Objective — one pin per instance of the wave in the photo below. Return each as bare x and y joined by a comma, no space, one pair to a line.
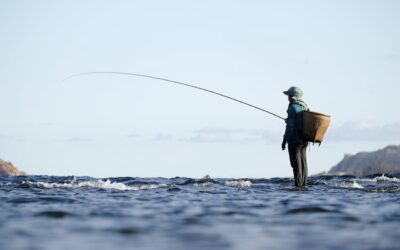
99,184
348,185
208,181
238,183
203,184
378,183
311,209
380,179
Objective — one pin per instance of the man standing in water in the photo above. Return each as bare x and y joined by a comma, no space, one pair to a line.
297,147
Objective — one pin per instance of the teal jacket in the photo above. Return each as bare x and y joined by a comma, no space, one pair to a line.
294,121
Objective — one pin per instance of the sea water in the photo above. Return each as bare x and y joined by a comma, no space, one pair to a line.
50,212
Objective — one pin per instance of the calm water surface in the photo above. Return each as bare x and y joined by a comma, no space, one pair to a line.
49,212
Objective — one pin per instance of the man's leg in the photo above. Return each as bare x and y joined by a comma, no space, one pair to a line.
295,155
304,166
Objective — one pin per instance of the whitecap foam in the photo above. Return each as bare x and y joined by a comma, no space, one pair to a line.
382,178
107,184
238,183
356,185
353,185
203,184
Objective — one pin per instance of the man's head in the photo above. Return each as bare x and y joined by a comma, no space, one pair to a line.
294,93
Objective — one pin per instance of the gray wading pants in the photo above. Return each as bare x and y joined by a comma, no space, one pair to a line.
298,160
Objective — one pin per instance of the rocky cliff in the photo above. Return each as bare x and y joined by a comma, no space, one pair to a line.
7,168
385,160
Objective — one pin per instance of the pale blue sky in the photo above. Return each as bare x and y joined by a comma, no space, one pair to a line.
345,55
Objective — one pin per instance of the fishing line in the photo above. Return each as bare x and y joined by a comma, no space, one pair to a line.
172,81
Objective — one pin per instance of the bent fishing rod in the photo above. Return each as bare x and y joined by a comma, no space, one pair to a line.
171,81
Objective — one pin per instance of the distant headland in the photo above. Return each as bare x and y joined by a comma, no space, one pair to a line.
8,169
383,161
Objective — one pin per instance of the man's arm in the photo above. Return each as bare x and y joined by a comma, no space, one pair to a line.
290,126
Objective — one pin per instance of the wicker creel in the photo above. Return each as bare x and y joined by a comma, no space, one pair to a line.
314,126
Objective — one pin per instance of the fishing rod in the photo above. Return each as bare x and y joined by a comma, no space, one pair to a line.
172,81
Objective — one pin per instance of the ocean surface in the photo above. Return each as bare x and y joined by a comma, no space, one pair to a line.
50,212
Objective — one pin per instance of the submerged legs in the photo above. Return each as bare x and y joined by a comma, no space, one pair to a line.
298,161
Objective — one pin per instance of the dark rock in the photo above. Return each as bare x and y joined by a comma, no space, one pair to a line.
385,161
7,169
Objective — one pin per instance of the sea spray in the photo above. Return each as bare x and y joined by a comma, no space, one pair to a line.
238,183
100,184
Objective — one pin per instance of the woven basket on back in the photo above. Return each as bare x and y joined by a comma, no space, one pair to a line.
314,126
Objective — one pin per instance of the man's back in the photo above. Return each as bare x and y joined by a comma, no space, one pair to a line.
294,121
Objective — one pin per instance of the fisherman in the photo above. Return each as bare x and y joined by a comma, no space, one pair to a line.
292,137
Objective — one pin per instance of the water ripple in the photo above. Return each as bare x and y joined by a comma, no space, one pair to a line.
78,212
